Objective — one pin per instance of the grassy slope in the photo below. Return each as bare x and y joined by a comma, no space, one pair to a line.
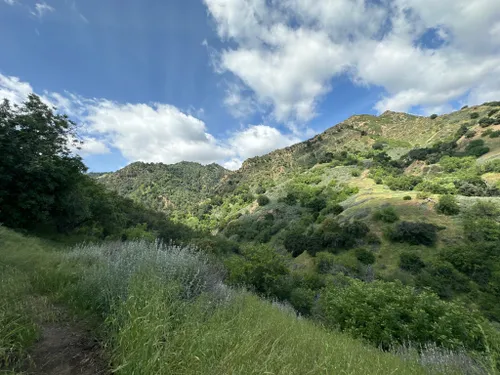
155,331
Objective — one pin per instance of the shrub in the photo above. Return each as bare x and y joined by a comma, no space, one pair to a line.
495,134
324,262
476,148
387,314
470,134
260,190
474,115
262,200
378,146
355,173
411,262
423,195
407,198
403,182
492,112
365,256
448,205
386,214
414,233
452,164
433,116
486,121
465,107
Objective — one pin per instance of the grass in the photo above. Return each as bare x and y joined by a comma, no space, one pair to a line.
164,310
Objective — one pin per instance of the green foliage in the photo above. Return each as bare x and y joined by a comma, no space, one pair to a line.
35,152
492,112
407,198
474,115
262,200
365,256
259,266
495,134
260,190
452,163
389,314
414,233
386,214
378,146
355,173
448,205
403,182
433,116
491,166
470,134
411,262
476,148
324,262
486,121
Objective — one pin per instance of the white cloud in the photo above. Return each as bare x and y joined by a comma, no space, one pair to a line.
13,89
288,53
11,2
41,9
151,132
92,146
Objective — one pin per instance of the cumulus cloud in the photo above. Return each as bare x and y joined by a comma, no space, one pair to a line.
10,2
287,53
152,132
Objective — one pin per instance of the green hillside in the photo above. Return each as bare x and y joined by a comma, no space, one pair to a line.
368,249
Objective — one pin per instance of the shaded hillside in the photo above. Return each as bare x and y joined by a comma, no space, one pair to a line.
164,187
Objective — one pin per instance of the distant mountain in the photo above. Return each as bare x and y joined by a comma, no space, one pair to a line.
175,187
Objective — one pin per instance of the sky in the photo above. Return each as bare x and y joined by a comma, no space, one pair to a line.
225,80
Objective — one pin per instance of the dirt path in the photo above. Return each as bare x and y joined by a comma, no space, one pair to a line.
66,348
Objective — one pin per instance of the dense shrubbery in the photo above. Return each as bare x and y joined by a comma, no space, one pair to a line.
486,121
413,233
476,148
389,314
433,116
403,182
474,115
448,205
411,262
386,214
262,200
453,163
365,256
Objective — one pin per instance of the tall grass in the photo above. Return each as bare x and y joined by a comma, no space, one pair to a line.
165,310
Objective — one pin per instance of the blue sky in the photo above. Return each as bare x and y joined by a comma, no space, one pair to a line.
224,80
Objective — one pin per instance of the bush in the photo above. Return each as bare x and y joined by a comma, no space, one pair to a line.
262,200
470,134
260,190
495,134
448,205
407,198
476,148
492,112
386,214
365,256
452,164
403,182
464,107
433,116
474,115
324,262
423,195
355,173
486,121
378,146
414,233
388,314
411,262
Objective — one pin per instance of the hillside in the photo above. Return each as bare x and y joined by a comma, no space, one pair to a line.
164,187
327,200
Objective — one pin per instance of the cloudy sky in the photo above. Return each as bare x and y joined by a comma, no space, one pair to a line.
224,80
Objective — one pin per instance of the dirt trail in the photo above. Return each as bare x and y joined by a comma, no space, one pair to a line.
66,348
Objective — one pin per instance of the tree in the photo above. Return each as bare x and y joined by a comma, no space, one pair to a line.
411,262
37,166
433,116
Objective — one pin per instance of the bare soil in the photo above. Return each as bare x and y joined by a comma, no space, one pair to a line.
66,348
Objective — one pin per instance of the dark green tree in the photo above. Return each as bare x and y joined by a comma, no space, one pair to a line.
37,166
